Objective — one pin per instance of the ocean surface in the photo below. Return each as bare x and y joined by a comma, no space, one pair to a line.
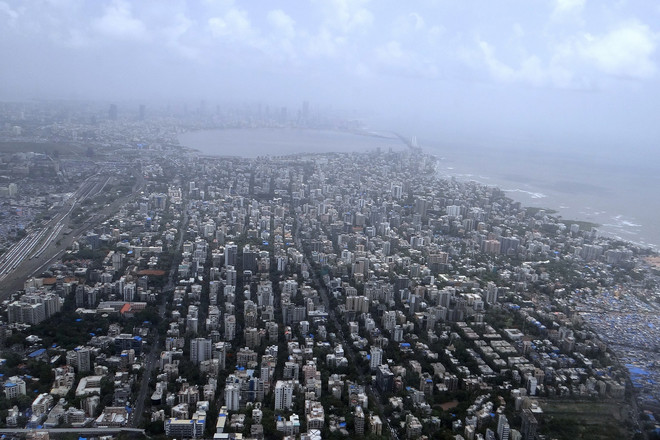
620,196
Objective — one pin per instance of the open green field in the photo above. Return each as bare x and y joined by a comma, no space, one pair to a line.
585,420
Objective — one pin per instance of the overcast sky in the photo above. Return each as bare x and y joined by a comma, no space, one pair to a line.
529,69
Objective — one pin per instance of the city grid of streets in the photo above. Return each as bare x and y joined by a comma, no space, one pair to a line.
323,295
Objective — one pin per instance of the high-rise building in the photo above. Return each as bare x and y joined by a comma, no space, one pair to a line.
230,254
200,350
232,397
376,358
490,296
529,425
125,341
249,259
220,353
359,421
23,312
509,245
12,190
284,394
79,358
503,429
413,427
230,327
142,112
252,337
375,424
384,378
231,276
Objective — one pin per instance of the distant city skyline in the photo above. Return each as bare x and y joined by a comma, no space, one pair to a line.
564,73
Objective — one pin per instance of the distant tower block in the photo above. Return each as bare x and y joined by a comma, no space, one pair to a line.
112,113
305,110
143,111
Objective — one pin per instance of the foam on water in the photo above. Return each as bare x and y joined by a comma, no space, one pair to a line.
534,195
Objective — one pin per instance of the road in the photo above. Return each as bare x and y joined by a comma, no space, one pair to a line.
332,314
151,358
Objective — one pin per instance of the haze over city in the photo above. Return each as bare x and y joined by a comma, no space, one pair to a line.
559,74
329,219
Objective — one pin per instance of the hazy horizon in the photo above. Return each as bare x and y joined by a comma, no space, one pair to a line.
564,74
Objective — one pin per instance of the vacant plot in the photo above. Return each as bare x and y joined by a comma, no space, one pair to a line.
449,405
585,420
654,262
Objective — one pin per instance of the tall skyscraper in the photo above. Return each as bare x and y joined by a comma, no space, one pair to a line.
142,112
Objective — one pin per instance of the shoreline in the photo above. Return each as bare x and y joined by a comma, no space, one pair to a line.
605,227
613,226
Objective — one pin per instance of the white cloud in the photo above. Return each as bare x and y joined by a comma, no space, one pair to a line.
7,11
531,70
434,34
282,22
408,24
324,44
119,23
281,44
518,30
625,51
496,68
233,24
335,38
393,58
347,15
569,6
174,34
581,61
390,51
568,12
75,38
277,44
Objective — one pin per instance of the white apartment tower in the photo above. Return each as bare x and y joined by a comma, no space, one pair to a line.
376,358
284,394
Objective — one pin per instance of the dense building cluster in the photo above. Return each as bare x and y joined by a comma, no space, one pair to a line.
325,295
